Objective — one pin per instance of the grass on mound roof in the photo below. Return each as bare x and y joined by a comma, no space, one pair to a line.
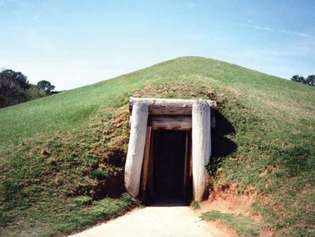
60,150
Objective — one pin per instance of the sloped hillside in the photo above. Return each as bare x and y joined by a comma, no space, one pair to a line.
62,157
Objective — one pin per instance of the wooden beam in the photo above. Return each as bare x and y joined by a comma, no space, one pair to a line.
201,147
158,106
186,165
136,145
171,122
146,167
151,168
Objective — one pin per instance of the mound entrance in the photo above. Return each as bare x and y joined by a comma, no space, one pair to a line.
169,148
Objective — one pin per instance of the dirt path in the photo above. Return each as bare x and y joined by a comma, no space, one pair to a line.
155,222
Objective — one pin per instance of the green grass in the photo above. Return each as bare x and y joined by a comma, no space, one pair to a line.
68,216
242,225
71,109
73,144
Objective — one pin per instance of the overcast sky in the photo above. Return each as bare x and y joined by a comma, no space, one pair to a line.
74,43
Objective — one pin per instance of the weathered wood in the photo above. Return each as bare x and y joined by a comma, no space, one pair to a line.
145,167
159,106
186,165
136,145
151,168
173,114
171,122
201,147
166,101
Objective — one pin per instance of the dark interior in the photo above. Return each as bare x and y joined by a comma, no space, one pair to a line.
169,167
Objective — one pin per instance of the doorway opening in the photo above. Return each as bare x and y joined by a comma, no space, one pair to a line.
160,163
170,179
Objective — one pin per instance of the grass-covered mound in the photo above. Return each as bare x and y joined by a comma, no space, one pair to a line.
62,157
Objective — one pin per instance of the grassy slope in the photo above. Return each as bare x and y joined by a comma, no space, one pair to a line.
275,134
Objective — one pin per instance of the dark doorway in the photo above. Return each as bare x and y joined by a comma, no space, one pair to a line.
170,154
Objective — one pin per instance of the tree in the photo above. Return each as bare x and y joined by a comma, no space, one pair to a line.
310,80
10,76
298,78
13,86
45,86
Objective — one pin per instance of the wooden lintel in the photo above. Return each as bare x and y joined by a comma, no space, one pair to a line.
171,122
159,106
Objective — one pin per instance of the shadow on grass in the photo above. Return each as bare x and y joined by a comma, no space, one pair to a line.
222,145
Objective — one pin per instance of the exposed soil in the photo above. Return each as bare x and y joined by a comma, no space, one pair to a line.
226,200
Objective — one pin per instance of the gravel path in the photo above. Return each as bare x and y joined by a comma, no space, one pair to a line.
174,221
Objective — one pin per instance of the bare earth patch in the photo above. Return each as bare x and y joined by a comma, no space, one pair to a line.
225,200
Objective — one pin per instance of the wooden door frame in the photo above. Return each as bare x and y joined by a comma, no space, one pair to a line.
188,167
146,171
200,113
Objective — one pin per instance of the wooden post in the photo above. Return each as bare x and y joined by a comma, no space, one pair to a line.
186,175
151,168
145,166
201,147
139,120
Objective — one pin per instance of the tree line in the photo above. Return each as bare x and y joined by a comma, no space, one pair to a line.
310,80
15,88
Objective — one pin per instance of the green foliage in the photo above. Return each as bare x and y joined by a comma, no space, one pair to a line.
33,92
83,200
45,86
241,224
310,80
99,174
15,88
